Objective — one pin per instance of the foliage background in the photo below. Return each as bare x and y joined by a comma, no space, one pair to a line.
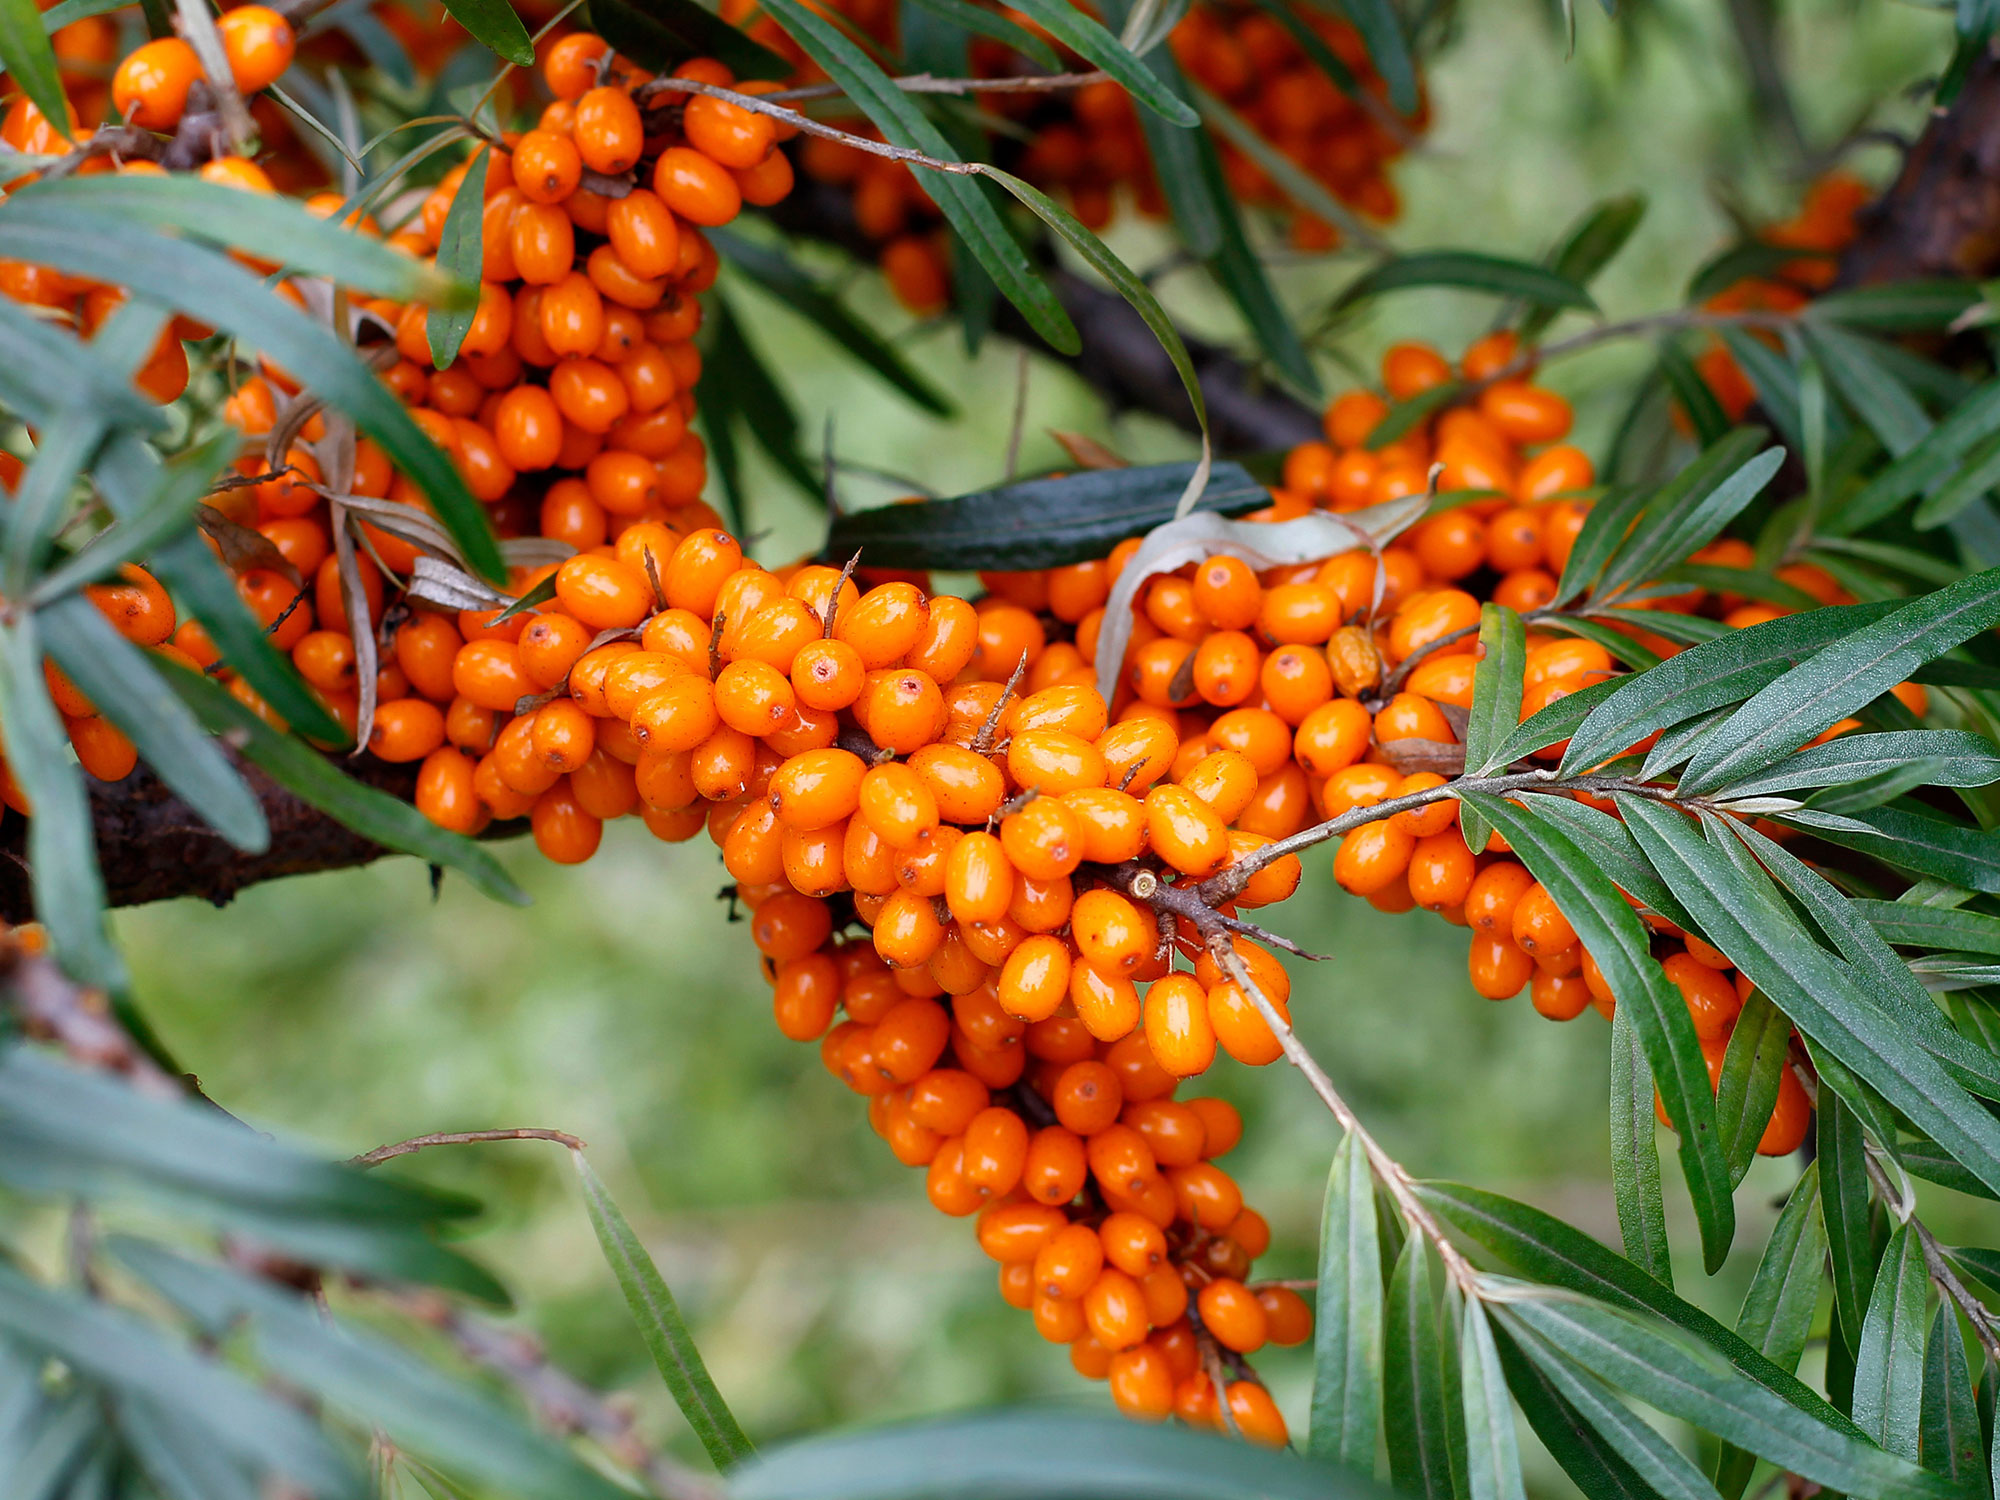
352,1009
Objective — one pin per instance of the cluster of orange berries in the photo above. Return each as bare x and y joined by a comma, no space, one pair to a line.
1087,144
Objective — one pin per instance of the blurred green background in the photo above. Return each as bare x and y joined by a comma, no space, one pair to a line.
353,1009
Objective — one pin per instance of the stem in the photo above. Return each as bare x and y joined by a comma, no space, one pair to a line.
1941,1273
1687,317
462,1138
924,83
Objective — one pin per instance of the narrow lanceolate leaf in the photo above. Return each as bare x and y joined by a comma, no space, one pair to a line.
1682,1379
1843,677
1955,852
1776,381
311,777
1657,1466
1726,670
1470,270
1554,724
1778,1309
1690,509
1573,1441
494,24
1896,307
992,25
1850,1242
1952,757
1612,933
662,34
971,213
461,248
1751,1071
1914,926
1704,412
1347,1335
30,61
1889,1362
1615,852
1951,1439
1971,481
1413,1382
1635,1156
125,685
1872,392
1381,31
1585,251
1496,689
1925,466
1088,39
660,1325
1493,1457
62,841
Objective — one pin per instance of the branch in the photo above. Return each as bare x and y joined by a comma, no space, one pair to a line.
462,1138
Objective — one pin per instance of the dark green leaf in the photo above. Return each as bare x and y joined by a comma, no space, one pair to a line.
1586,250
1953,757
1622,647
1889,1360
30,61
1843,677
755,395
1784,1293
1029,1455
127,1354
1871,391
1927,1159
1925,466
1914,926
1748,582
1704,411
1382,33
1493,1459
1413,1381
1239,270
1404,415
779,274
993,25
1347,1331
494,24
1306,191
1977,473
179,1463
1085,37
124,684
970,211
1635,1155
1554,724
1472,270
1752,258
217,291
308,775
1613,851
1496,691
1590,1460
1775,380
62,841
168,511
1684,1379
1604,532
1897,306
461,243
360,1373
1748,1090
1612,933
660,1325
1952,1442
660,34
1956,852
1039,523
1690,509
44,371
1981,1264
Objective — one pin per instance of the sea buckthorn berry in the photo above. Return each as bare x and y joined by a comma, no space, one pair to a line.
1042,840
150,86
1185,831
696,187
884,624
967,787
1240,1028
897,804
1295,680
1017,1231
1539,929
607,130
1107,1004
818,788
570,67
1256,1414
1231,1312
1034,981
1256,733
258,43
1178,1027
1115,1310
1110,932
907,930
1496,890
1560,997
1410,369
901,709
728,133
547,168
633,677
754,697
1497,966
1055,1168
680,714
445,793
1137,753
1068,1264
979,879
1088,1096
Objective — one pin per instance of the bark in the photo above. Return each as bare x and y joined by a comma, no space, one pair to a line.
1940,218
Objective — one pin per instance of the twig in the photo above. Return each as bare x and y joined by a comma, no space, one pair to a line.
983,741
916,83
462,1138
1021,368
833,599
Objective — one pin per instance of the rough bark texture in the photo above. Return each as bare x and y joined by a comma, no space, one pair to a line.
1940,218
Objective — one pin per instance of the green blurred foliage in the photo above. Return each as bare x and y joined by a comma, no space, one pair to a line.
354,1008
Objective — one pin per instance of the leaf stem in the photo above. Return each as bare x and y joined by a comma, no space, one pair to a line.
418,1143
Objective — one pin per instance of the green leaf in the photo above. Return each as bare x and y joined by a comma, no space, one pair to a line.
1635,1157
755,395
1382,34
1690,510
1614,851
1239,270
771,268
128,1355
1748,582
1925,466
1871,391
1751,1069
1622,647
1775,380
1029,1455
1493,1467
971,213
62,841
179,1463
313,779
1347,1331
1704,411
1951,1439
30,60
1612,933
660,34
1300,186
1977,473
1038,523
461,243
44,372
493,24
1472,270
216,290
124,684
1404,415
1784,1293
1749,925
1129,286
1889,1360
419,1407
1843,677
992,25
1956,852
1684,1379
1587,249
1592,1462
1089,40
1649,1459
1953,757
184,483
1912,926
1895,307
1752,258
660,1325
1496,691
1414,1388
1542,1247
1554,724
1604,531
